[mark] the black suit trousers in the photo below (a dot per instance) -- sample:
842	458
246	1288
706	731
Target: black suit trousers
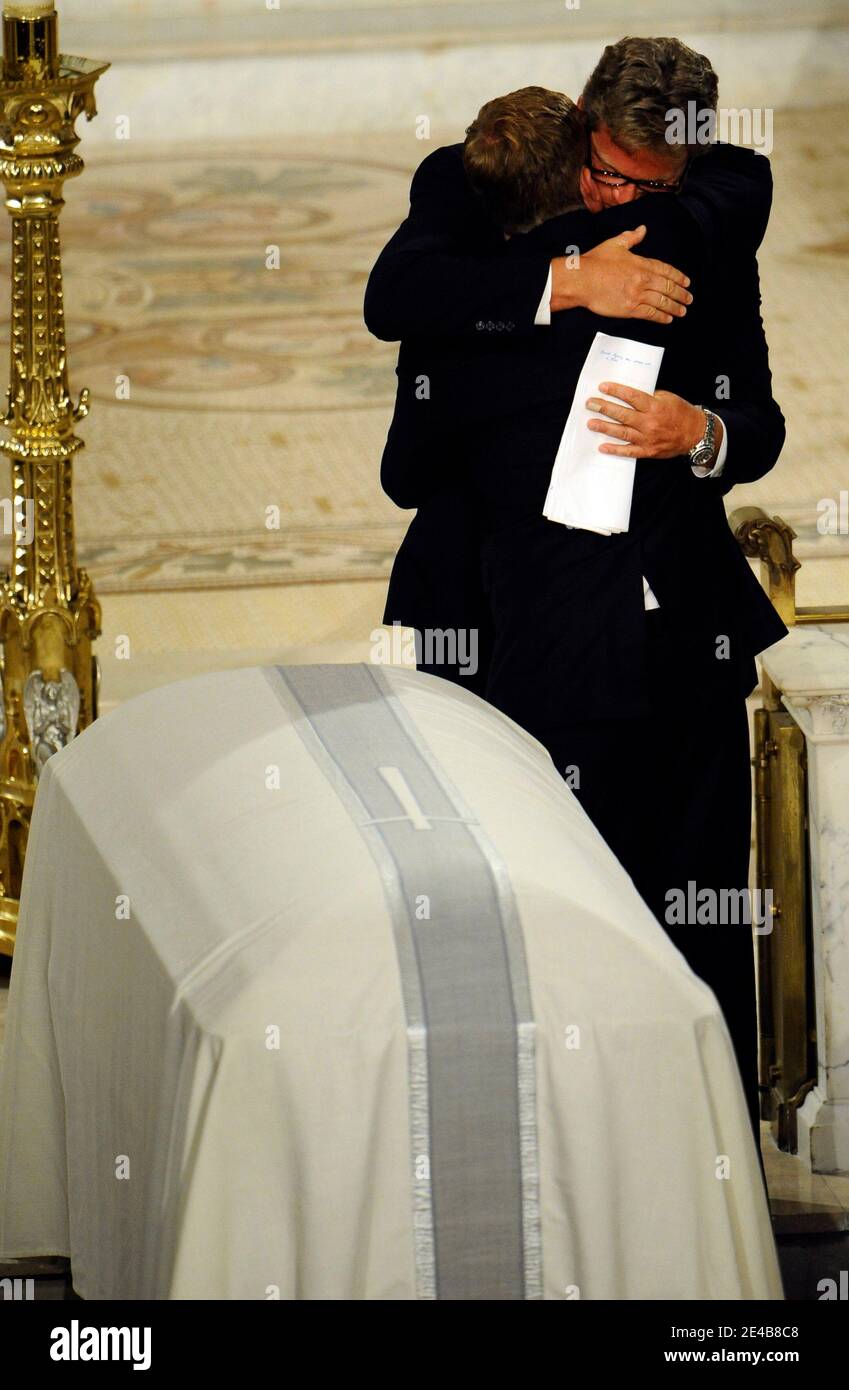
671	794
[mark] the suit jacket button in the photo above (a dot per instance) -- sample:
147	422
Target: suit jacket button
490	325
480	324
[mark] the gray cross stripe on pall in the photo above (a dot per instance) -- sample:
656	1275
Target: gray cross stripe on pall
474	1182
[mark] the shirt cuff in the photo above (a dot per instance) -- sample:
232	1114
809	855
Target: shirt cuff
720	458
649	599
543	314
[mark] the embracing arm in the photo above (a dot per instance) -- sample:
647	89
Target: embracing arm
743	383
728	192
727	216
445	272
664	425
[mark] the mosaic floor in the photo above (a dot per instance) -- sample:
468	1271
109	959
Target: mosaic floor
222	389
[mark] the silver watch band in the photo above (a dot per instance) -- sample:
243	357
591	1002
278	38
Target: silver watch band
703	451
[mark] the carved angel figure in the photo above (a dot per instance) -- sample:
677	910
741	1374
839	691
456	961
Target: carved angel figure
52	709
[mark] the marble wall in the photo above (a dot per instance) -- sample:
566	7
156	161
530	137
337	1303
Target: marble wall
231	68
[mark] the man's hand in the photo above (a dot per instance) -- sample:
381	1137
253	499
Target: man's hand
610	280
661	426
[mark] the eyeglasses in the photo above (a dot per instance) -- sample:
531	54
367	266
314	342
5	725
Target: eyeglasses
612	179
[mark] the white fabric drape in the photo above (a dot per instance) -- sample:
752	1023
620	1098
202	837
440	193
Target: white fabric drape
152	1130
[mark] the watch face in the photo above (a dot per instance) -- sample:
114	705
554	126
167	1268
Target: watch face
701	457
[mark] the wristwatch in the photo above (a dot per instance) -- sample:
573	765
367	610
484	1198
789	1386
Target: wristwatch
702	454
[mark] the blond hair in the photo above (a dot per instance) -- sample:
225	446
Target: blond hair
523	154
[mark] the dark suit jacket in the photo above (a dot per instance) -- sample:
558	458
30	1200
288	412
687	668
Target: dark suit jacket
474	450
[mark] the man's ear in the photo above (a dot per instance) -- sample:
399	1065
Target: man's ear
580	103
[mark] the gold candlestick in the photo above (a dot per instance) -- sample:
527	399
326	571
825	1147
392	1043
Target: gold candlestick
49	615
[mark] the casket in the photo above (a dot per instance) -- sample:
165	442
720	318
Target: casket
327	988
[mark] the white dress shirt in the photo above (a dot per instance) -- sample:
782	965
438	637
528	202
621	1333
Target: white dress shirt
543	317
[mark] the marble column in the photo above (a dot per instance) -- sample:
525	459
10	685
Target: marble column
810	667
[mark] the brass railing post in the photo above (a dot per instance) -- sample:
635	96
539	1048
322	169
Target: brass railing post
49	615
785	998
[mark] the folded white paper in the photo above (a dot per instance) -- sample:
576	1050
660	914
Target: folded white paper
590	490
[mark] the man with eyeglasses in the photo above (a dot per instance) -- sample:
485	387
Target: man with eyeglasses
629	656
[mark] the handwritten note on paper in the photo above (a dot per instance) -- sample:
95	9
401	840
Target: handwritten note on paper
590	490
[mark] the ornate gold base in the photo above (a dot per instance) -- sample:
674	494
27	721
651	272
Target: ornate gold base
8	925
